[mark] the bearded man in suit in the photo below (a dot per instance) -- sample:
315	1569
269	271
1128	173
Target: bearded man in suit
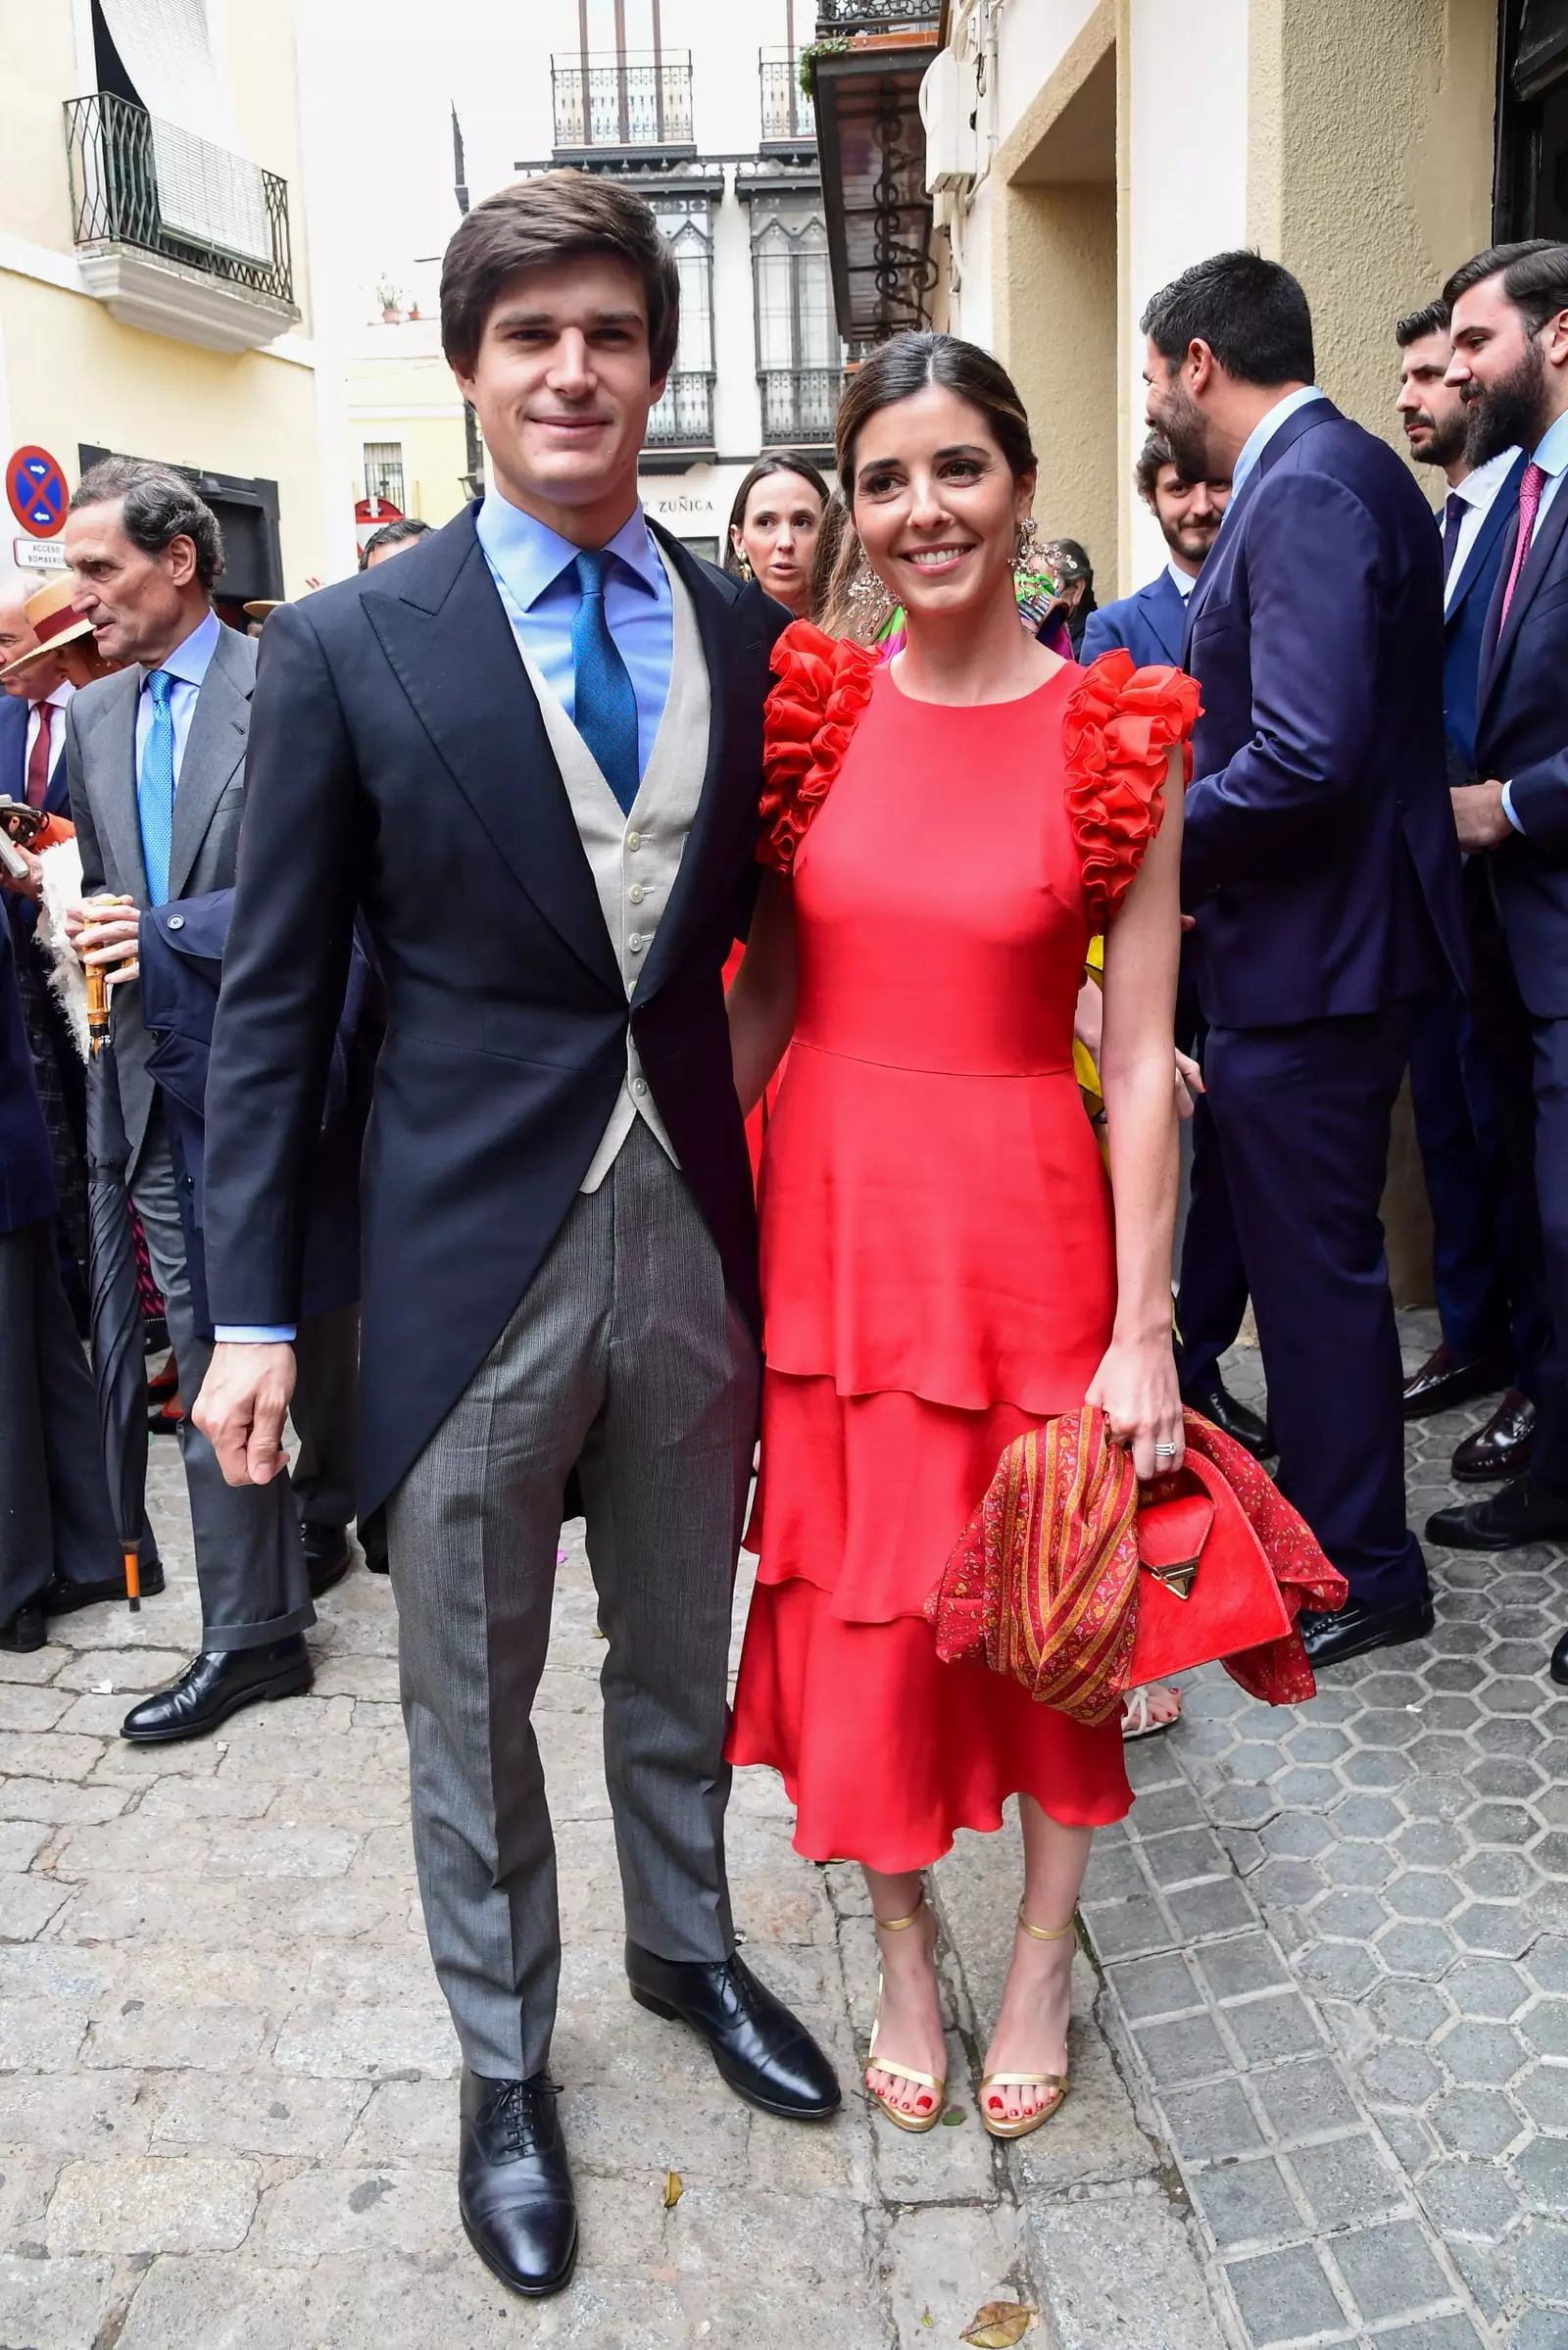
529	752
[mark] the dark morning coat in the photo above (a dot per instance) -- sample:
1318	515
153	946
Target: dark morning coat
399	763
26	1168
1319	851
1522	739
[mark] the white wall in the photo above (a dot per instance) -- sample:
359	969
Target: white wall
1187	139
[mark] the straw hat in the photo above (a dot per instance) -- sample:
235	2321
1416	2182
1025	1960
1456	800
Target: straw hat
259	608
53	621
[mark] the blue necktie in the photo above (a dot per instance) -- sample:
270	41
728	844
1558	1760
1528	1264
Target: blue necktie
604	705
155	789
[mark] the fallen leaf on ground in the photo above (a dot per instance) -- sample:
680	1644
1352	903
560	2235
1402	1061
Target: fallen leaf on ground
673	2190
953	2116
998	2325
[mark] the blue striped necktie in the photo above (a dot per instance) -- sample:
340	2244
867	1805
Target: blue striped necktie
604	705
155	789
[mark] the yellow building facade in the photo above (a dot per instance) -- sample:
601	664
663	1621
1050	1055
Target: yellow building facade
153	284
405	420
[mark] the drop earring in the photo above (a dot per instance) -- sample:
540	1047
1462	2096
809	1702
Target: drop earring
1026	548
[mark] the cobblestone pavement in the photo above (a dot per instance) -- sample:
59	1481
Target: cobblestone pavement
1320	2057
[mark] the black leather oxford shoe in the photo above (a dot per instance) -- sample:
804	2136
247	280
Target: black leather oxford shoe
327	1555
1356	1628
62	1598
1445	1379
216	1685
1234	1417
1523	1512
1501	1449
23	1631
514	2184
763	2052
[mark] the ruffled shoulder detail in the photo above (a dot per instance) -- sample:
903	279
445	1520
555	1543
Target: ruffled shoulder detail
1118	726
825	683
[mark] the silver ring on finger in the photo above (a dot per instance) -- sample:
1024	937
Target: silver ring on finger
1166	1451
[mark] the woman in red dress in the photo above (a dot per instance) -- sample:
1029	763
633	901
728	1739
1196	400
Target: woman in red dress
941	1265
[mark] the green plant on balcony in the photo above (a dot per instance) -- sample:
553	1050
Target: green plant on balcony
834	46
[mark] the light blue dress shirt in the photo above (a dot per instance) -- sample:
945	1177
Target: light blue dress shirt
1551	454
187	665
1263	431
535	575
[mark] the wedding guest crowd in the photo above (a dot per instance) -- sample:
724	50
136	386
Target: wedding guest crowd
669	779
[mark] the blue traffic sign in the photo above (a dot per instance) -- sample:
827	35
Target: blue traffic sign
36	488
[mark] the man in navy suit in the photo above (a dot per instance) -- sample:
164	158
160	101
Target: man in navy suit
1510	360
1320	861
1151	625
1495	1330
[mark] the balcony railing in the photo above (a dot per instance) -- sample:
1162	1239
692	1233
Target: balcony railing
683	418
149	185
787	112
876	16
799	403
632	101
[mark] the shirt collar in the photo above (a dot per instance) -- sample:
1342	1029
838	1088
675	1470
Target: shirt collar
1551	450
530	557
192	660
59	697
1184	581
1481	486
1263	431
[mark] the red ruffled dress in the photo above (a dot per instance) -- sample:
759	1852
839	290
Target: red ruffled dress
938	1262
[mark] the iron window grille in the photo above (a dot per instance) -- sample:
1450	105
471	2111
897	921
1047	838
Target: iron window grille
136	181
384	473
799	360
788	115
635	100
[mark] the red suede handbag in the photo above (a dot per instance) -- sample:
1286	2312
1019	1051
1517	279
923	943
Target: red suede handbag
1205	1588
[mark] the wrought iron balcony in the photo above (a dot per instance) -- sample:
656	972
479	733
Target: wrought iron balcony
837	17
683	418
139	181
613	103
799	404
788	117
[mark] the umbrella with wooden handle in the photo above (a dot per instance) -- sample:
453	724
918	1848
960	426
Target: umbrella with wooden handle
119	1357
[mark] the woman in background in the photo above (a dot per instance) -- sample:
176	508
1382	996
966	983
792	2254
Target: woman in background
772	528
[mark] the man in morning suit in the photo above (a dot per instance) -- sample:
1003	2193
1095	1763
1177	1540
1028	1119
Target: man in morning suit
156	757
1495	1329
1510	360
529	751
1151	624
1320	861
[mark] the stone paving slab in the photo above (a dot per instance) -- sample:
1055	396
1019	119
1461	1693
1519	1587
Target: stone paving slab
1319	2049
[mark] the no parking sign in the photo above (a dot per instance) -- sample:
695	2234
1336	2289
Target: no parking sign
35	486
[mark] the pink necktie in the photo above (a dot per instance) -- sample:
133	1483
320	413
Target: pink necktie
1529	489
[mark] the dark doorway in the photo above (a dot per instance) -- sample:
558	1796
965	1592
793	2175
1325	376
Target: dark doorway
1531	184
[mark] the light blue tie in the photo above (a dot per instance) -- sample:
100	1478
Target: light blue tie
604	705
155	789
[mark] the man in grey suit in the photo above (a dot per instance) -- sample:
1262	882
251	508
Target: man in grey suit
156	761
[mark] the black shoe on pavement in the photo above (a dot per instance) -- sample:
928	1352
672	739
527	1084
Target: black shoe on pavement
62	1598
1525	1511
1501	1449
328	1556
1444	1380
216	1685
373	1542
1234	1418
23	1631
1355	1629
1558	1667
514	2186
763	2052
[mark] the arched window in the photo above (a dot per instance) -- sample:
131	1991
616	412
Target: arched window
800	359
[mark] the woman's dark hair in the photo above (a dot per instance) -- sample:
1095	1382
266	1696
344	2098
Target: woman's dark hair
787	461
1534	273
392	535
560	216
910	362
1250	312
156	505
825	554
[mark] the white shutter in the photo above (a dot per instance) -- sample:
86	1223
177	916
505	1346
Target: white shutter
208	189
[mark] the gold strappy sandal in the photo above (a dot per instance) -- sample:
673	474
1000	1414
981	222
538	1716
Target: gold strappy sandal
1058	2082
916	2123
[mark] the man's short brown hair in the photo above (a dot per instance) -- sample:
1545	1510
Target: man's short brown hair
560	216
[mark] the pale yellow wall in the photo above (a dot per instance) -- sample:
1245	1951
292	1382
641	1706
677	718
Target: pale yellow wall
1369	168
411	397
75	375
